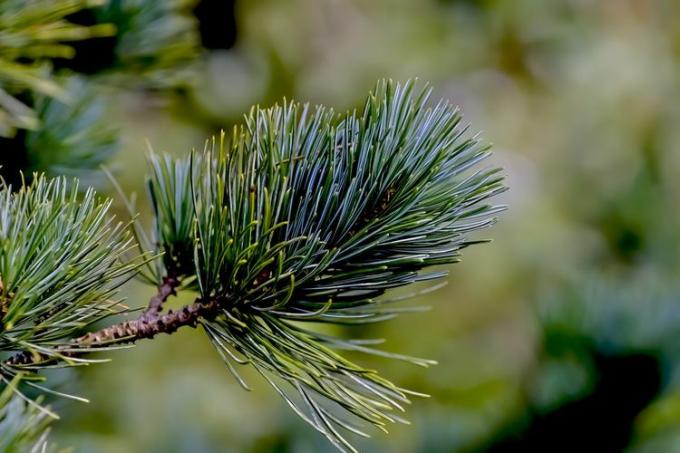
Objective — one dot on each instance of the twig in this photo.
(146, 326)
(165, 290)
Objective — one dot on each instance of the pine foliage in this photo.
(304, 216)
(32, 32)
(52, 120)
(62, 259)
(301, 217)
(23, 425)
(151, 36)
(74, 139)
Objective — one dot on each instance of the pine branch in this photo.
(62, 260)
(166, 289)
(146, 326)
(302, 217)
(150, 326)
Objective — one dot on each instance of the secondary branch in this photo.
(165, 290)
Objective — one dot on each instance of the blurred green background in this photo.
(565, 328)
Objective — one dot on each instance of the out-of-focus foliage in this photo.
(74, 136)
(154, 40)
(31, 33)
(24, 426)
(55, 123)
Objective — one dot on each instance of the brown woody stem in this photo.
(148, 325)
(165, 290)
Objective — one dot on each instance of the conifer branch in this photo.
(146, 326)
(166, 289)
(303, 216)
